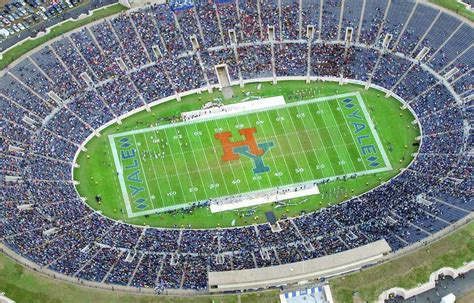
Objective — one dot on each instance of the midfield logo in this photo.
(248, 148)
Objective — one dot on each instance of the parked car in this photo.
(23, 10)
(5, 21)
(34, 3)
(29, 20)
(9, 7)
(43, 16)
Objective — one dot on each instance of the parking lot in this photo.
(20, 19)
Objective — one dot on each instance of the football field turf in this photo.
(172, 166)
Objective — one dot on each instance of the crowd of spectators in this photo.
(42, 219)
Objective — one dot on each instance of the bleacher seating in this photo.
(88, 246)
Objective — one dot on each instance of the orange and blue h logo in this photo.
(247, 147)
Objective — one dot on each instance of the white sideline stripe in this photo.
(215, 208)
(198, 115)
(374, 132)
(123, 187)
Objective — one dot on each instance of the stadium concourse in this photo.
(52, 100)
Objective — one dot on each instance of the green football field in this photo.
(98, 174)
(171, 166)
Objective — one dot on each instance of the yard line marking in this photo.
(301, 144)
(266, 139)
(311, 141)
(346, 151)
(176, 168)
(195, 161)
(155, 132)
(205, 157)
(187, 168)
(286, 163)
(332, 142)
(258, 180)
(154, 173)
(269, 157)
(219, 167)
(241, 165)
(320, 137)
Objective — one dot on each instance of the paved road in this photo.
(458, 287)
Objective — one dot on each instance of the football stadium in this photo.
(237, 151)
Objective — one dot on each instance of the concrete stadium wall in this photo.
(273, 276)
